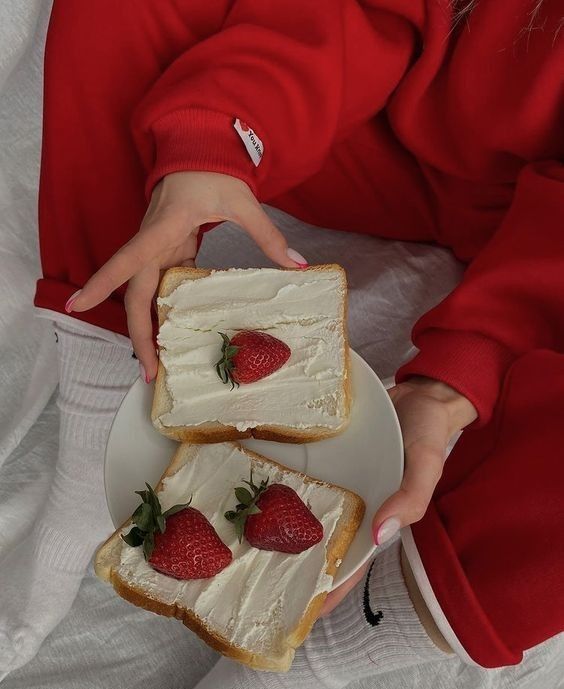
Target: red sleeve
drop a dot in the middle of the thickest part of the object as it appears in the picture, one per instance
(511, 300)
(301, 73)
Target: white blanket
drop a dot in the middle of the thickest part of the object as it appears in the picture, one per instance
(105, 642)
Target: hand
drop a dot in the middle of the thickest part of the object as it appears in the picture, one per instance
(180, 203)
(430, 414)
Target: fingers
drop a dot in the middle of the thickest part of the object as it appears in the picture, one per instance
(164, 236)
(138, 300)
(424, 464)
(336, 596)
(128, 261)
(268, 237)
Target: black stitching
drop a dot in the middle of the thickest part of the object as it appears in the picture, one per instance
(372, 618)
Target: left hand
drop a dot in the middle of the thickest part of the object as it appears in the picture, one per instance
(180, 204)
(430, 414)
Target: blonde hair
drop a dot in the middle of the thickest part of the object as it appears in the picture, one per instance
(463, 9)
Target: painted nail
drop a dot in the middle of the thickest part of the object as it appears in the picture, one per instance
(143, 373)
(386, 530)
(297, 258)
(71, 300)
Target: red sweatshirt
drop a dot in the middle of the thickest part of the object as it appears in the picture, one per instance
(376, 116)
(477, 111)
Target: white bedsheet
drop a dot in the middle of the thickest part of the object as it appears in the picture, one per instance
(105, 642)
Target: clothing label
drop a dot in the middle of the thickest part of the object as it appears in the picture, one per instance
(252, 143)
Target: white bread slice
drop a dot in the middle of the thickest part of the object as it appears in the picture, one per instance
(210, 431)
(274, 650)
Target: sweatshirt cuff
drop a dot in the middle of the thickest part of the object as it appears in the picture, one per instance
(201, 140)
(473, 364)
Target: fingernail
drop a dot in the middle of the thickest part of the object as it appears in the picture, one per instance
(386, 530)
(297, 258)
(143, 373)
(71, 300)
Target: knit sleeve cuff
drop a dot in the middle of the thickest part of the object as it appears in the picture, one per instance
(202, 140)
(472, 364)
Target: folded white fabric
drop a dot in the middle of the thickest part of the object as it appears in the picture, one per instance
(41, 574)
(28, 374)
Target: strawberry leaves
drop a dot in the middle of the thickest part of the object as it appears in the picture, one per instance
(225, 365)
(149, 519)
(246, 505)
(134, 537)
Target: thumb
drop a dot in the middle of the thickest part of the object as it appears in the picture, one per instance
(268, 237)
(424, 465)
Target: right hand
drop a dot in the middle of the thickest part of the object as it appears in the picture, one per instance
(180, 204)
(431, 413)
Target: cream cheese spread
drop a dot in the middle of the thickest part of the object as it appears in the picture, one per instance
(257, 600)
(304, 309)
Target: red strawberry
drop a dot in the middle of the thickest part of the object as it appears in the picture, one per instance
(275, 518)
(285, 522)
(189, 548)
(180, 542)
(249, 356)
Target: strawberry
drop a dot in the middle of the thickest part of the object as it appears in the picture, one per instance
(180, 542)
(249, 356)
(189, 548)
(274, 518)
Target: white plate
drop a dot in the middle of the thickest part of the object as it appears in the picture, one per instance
(367, 458)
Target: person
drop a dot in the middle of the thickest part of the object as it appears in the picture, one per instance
(427, 121)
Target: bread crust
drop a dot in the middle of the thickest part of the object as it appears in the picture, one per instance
(215, 432)
(107, 561)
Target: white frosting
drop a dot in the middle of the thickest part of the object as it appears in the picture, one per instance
(257, 600)
(304, 309)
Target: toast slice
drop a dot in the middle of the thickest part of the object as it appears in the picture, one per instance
(263, 605)
(308, 399)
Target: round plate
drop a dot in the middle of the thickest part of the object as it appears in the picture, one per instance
(366, 458)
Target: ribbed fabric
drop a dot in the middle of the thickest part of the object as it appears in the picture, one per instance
(344, 646)
(471, 363)
(94, 376)
(56, 551)
(196, 139)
